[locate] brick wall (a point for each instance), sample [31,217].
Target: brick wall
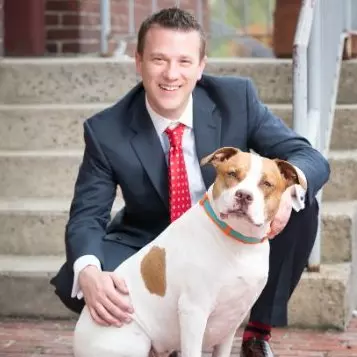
[73,26]
[1,27]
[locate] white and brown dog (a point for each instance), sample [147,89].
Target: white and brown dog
[195,283]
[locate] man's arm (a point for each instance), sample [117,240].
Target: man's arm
[269,136]
[94,194]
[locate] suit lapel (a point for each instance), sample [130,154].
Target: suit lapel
[207,130]
[148,148]
[145,142]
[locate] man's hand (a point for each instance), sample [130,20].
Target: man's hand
[103,293]
[283,215]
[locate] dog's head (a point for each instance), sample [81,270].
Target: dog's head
[248,187]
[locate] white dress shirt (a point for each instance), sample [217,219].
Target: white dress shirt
[195,180]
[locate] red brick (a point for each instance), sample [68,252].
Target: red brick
[90,6]
[52,48]
[76,47]
[79,20]
[54,338]
[53,19]
[62,34]
[62,5]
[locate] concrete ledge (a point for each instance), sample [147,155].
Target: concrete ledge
[60,127]
[36,227]
[26,290]
[342,184]
[49,174]
[323,299]
[338,231]
[88,80]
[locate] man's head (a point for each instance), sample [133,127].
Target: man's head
[248,187]
[170,58]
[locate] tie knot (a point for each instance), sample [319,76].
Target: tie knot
[175,135]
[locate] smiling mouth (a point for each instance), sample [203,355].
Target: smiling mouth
[169,88]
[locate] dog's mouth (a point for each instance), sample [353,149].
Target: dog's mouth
[239,213]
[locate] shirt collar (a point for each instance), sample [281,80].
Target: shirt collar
[161,123]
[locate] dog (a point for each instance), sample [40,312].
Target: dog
[193,285]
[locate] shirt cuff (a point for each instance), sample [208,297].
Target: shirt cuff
[78,266]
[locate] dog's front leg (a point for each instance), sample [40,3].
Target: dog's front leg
[224,349]
[193,320]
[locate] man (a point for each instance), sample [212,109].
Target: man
[127,145]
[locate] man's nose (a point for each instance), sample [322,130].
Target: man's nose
[172,71]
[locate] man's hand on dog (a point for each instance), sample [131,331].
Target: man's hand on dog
[283,215]
[105,295]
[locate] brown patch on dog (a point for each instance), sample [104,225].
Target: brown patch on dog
[231,166]
[290,174]
[153,271]
[273,184]
[277,176]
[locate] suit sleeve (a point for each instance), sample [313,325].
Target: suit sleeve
[94,194]
[269,136]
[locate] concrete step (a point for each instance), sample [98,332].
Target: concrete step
[326,299]
[342,184]
[344,132]
[26,289]
[44,126]
[36,227]
[86,80]
[52,173]
[38,174]
[321,299]
[60,126]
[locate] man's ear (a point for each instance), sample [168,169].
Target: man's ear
[138,62]
[219,156]
[290,174]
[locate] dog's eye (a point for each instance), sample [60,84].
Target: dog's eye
[232,174]
[267,184]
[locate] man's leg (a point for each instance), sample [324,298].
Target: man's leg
[114,254]
[289,254]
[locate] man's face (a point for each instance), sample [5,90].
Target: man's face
[170,67]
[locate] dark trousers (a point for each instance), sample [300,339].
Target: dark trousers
[289,254]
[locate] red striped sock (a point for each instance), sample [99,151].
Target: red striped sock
[257,330]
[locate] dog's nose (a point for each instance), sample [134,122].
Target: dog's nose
[244,196]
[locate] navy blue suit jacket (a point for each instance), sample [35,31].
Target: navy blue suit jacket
[122,148]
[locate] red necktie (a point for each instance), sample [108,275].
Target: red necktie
[179,193]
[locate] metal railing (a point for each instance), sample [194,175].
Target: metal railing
[322,29]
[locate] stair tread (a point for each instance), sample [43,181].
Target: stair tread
[49,263]
[30,264]
[54,106]
[59,205]
[338,207]
[42,204]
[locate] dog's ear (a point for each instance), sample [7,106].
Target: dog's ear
[290,173]
[219,155]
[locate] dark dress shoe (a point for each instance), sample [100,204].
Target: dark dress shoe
[256,348]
